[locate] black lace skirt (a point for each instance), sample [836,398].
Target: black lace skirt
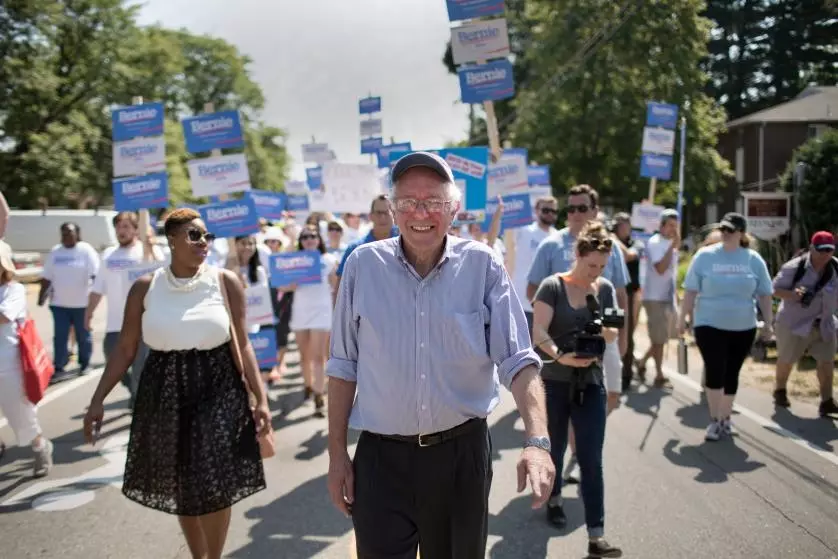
[193,447]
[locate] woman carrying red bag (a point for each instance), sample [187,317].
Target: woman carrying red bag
[17,408]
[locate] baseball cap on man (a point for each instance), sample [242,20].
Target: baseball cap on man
[735,221]
[823,240]
[422,159]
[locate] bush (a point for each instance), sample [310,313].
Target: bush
[817,192]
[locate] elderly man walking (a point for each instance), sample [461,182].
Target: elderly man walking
[426,326]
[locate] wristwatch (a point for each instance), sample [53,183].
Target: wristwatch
[539,442]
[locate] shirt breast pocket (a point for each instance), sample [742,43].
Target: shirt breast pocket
[464,334]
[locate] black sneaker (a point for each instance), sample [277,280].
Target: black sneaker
[556,516]
[781,398]
[828,407]
[601,548]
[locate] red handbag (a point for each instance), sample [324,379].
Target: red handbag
[35,362]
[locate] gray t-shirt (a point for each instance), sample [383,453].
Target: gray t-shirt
[566,323]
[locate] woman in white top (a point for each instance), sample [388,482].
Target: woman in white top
[16,407]
[311,317]
[193,450]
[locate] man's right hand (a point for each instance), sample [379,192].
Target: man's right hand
[88,317]
[341,482]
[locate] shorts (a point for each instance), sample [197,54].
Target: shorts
[658,320]
[612,367]
[791,347]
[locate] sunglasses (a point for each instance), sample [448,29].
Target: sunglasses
[335,231]
[549,211]
[581,208]
[824,250]
[307,237]
[726,229]
[196,236]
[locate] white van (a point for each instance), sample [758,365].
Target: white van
[39,230]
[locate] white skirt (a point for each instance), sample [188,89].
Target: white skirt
[312,318]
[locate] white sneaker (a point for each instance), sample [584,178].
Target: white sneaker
[728,429]
[571,472]
[43,459]
[714,431]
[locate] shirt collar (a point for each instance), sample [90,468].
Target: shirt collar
[446,252]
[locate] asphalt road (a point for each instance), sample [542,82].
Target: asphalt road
[772,492]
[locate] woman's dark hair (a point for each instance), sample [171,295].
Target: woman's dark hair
[594,237]
[321,246]
[252,264]
[177,218]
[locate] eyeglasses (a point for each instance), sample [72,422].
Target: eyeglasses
[432,206]
[581,208]
[549,211]
[307,237]
[196,236]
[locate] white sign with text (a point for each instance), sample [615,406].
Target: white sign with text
[347,188]
[216,176]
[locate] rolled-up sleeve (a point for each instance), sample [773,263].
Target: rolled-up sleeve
[343,345]
[783,278]
[540,268]
[509,338]
[619,275]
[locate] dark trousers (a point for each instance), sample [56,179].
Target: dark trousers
[63,318]
[628,358]
[723,352]
[589,427]
[434,498]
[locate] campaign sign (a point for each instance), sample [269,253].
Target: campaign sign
[317,153]
[371,145]
[259,310]
[145,191]
[385,151]
[538,175]
[139,156]
[486,82]
[137,121]
[314,178]
[269,205]
[297,203]
[518,152]
[232,218]
[470,9]
[296,188]
[508,175]
[656,166]
[213,131]
[646,216]
[301,268]
[371,127]
[369,105]
[517,212]
[215,176]
[658,140]
[479,40]
[661,115]
[264,346]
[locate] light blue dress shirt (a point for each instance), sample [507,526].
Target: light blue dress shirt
[429,353]
[557,253]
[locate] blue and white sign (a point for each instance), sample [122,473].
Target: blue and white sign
[297,203]
[259,309]
[216,176]
[231,219]
[658,140]
[518,152]
[539,175]
[371,145]
[385,151]
[661,115]
[264,346]
[486,82]
[508,175]
[517,212]
[213,131]
[314,178]
[296,188]
[301,268]
[371,127]
[470,9]
[479,40]
[317,153]
[369,105]
[269,205]
[137,193]
[137,121]
[653,166]
[139,156]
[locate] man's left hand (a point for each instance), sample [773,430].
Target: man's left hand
[535,463]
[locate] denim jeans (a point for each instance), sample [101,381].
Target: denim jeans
[588,421]
[63,318]
[131,379]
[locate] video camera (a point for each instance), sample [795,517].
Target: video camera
[589,342]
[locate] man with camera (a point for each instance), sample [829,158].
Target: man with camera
[806,322]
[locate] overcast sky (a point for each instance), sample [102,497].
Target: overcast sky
[315,58]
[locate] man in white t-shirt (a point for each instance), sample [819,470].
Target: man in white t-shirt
[659,289]
[68,271]
[119,266]
[525,241]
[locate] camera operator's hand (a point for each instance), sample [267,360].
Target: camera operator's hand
[571,360]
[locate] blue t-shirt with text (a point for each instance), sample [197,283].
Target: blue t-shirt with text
[557,253]
[727,283]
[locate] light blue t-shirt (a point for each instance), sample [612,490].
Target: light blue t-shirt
[728,283]
[557,253]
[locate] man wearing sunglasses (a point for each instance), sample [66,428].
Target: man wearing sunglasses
[806,322]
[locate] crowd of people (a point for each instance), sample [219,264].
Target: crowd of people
[415,324]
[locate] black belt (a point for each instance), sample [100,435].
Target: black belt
[432,439]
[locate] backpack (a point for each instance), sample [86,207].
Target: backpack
[825,277]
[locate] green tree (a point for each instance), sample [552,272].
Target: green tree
[818,161]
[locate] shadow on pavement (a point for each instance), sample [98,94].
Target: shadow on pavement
[313,447]
[525,532]
[283,529]
[714,461]
[820,431]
